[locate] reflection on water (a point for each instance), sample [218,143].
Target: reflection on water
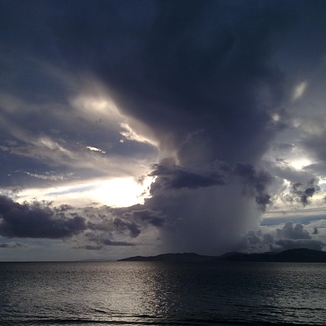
[139,293]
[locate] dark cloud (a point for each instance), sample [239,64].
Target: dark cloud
[108,242]
[171,176]
[195,209]
[286,244]
[36,220]
[192,63]
[41,220]
[141,215]
[174,177]
[255,183]
[292,231]
[90,247]
[303,193]
[102,243]
[206,64]
[290,236]
[10,245]
[123,225]
[193,223]
[206,80]
[131,220]
[102,240]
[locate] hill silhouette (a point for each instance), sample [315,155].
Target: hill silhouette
[292,255]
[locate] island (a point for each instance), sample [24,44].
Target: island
[302,255]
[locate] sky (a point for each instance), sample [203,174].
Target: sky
[140,127]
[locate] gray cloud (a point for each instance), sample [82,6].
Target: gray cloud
[102,240]
[181,206]
[284,171]
[9,245]
[108,242]
[314,134]
[131,220]
[290,236]
[102,243]
[209,81]
[182,70]
[36,220]
[302,193]
[286,244]
[41,220]
[140,214]
[122,225]
[292,231]
[171,176]
[317,168]
[255,182]
[180,59]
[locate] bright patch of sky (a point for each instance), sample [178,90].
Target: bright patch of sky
[115,192]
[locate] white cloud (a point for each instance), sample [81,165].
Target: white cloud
[95,107]
[299,90]
[131,134]
[95,149]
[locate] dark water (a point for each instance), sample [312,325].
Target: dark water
[150,293]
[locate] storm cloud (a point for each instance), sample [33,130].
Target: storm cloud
[170,176]
[217,102]
[36,221]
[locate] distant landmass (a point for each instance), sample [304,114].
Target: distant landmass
[293,255]
[186,257]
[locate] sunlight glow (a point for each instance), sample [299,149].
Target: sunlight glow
[299,91]
[121,192]
[102,109]
[275,117]
[131,134]
[300,163]
[117,192]
[96,107]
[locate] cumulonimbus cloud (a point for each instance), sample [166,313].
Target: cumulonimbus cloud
[208,81]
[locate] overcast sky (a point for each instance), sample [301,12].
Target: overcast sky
[144,127]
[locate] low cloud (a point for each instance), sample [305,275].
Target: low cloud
[290,236]
[104,226]
[293,231]
[124,220]
[140,214]
[10,245]
[36,220]
[102,243]
[286,244]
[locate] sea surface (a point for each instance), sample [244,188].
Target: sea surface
[157,293]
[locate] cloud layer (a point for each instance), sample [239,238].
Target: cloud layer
[218,102]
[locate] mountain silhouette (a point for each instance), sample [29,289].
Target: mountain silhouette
[292,255]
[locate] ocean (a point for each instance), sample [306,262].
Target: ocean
[158,293]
